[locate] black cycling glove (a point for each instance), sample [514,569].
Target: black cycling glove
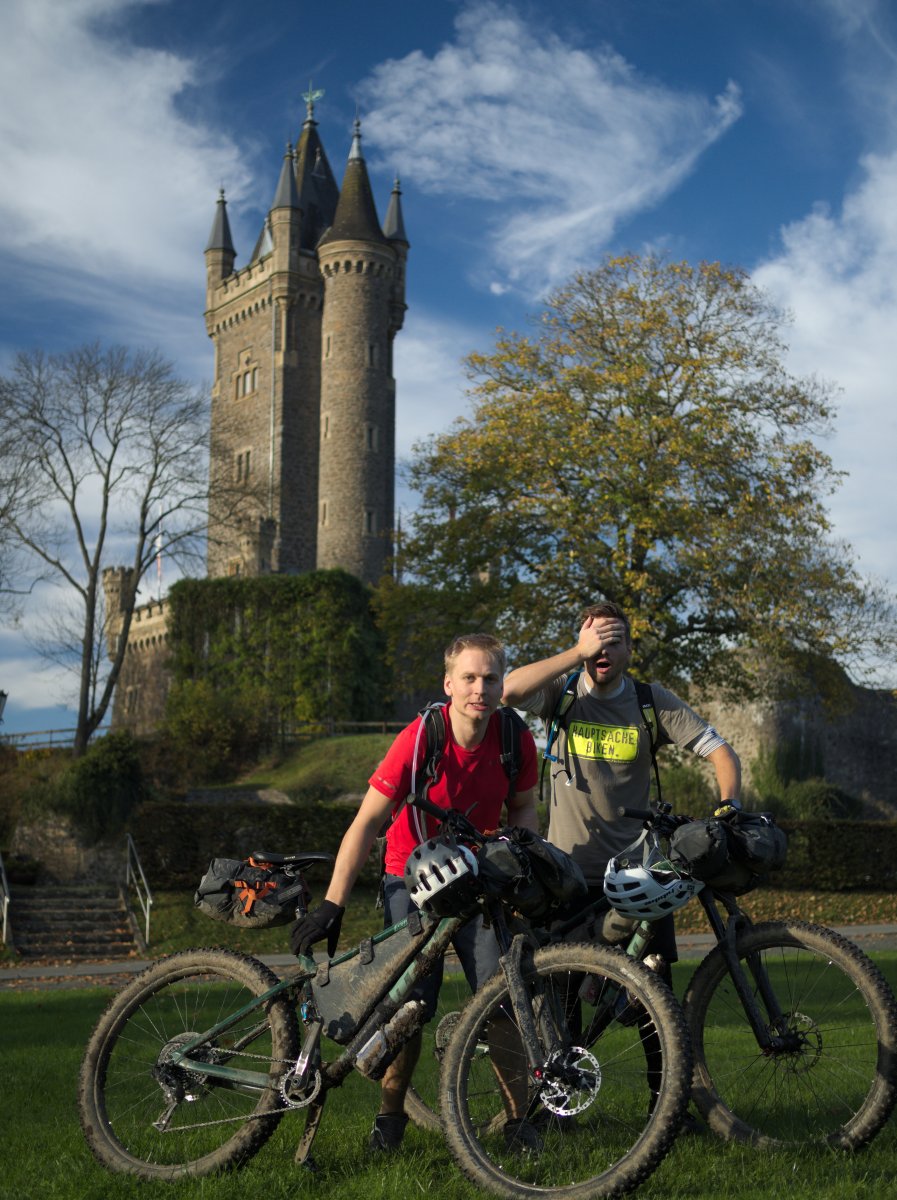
[322,922]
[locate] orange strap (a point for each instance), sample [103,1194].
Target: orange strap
[249,893]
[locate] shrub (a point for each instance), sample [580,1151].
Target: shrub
[99,790]
[817,800]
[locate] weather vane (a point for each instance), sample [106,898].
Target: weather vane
[310,97]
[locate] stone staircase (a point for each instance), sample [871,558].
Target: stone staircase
[70,923]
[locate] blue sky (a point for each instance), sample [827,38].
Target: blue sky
[530,138]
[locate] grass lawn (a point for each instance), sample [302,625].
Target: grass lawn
[42,1035]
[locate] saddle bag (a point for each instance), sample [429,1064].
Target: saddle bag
[250,893]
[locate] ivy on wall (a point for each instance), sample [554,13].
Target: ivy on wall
[254,657]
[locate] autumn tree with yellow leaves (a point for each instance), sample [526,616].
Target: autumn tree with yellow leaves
[645,444]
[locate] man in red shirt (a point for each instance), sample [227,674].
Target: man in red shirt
[470,778]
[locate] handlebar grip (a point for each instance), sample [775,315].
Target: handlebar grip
[637,814]
[429,807]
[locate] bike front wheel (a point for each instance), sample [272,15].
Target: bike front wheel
[143,1114]
[831,1075]
[599,1107]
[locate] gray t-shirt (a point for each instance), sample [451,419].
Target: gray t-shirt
[604,762]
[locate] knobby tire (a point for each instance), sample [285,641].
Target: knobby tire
[125,1071]
[837,1083]
[620,1108]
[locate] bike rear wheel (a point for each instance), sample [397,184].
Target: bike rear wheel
[606,1099]
[834,1080]
[144,1115]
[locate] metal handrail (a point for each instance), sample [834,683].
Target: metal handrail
[134,875]
[5,898]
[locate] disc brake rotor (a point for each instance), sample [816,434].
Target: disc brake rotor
[571,1079]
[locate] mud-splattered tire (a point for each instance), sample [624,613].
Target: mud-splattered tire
[837,1083]
[127,1085]
[597,1121]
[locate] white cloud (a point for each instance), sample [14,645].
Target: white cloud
[837,274]
[569,141]
[431,388]
[103,180]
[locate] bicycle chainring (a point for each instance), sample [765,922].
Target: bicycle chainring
[297,1093]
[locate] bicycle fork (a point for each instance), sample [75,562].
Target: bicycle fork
[762,1027]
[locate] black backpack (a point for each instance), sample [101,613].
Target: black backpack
[647,708]
[433,717]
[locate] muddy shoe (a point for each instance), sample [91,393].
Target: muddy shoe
[387,1133]
[522,1137]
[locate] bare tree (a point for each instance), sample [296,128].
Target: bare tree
[103,459]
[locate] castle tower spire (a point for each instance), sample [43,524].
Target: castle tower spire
[355,218]
[220,253]
[287,194]
[394,225]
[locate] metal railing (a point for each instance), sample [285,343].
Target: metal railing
[41,739]
[4,900]
[135,877]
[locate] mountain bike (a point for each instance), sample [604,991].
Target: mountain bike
[569,1072]
[793,1027]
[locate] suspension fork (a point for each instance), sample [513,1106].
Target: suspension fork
[727,937]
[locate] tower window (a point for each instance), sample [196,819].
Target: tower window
[328,345]
[325,425]
[373,356]
[370,521]
[242,463]
[323,512]
[371,437]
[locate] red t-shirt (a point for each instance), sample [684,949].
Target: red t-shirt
[472,781]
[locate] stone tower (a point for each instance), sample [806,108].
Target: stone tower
[302,441]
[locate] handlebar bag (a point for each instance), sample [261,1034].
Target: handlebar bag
[703,850]
[730,855]
[531,873]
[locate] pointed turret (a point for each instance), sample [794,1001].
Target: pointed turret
[355,219]
[318,193]
[220,253]
[287,194]
[394,225]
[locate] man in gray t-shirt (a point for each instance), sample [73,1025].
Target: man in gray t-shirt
[604,748]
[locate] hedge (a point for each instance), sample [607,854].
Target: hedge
[840,856]
[176,840]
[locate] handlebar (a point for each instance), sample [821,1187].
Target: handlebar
[663,821]
[450,819]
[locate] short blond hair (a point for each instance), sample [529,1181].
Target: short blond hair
[476,641]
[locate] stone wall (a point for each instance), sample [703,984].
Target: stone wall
[853,741]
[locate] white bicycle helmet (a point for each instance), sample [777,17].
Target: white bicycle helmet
[441,877]
[647,889]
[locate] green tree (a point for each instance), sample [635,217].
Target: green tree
[645,444]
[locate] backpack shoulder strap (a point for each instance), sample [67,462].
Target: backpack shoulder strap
[433,718]
[512,725]
[566,698]
[645,698]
